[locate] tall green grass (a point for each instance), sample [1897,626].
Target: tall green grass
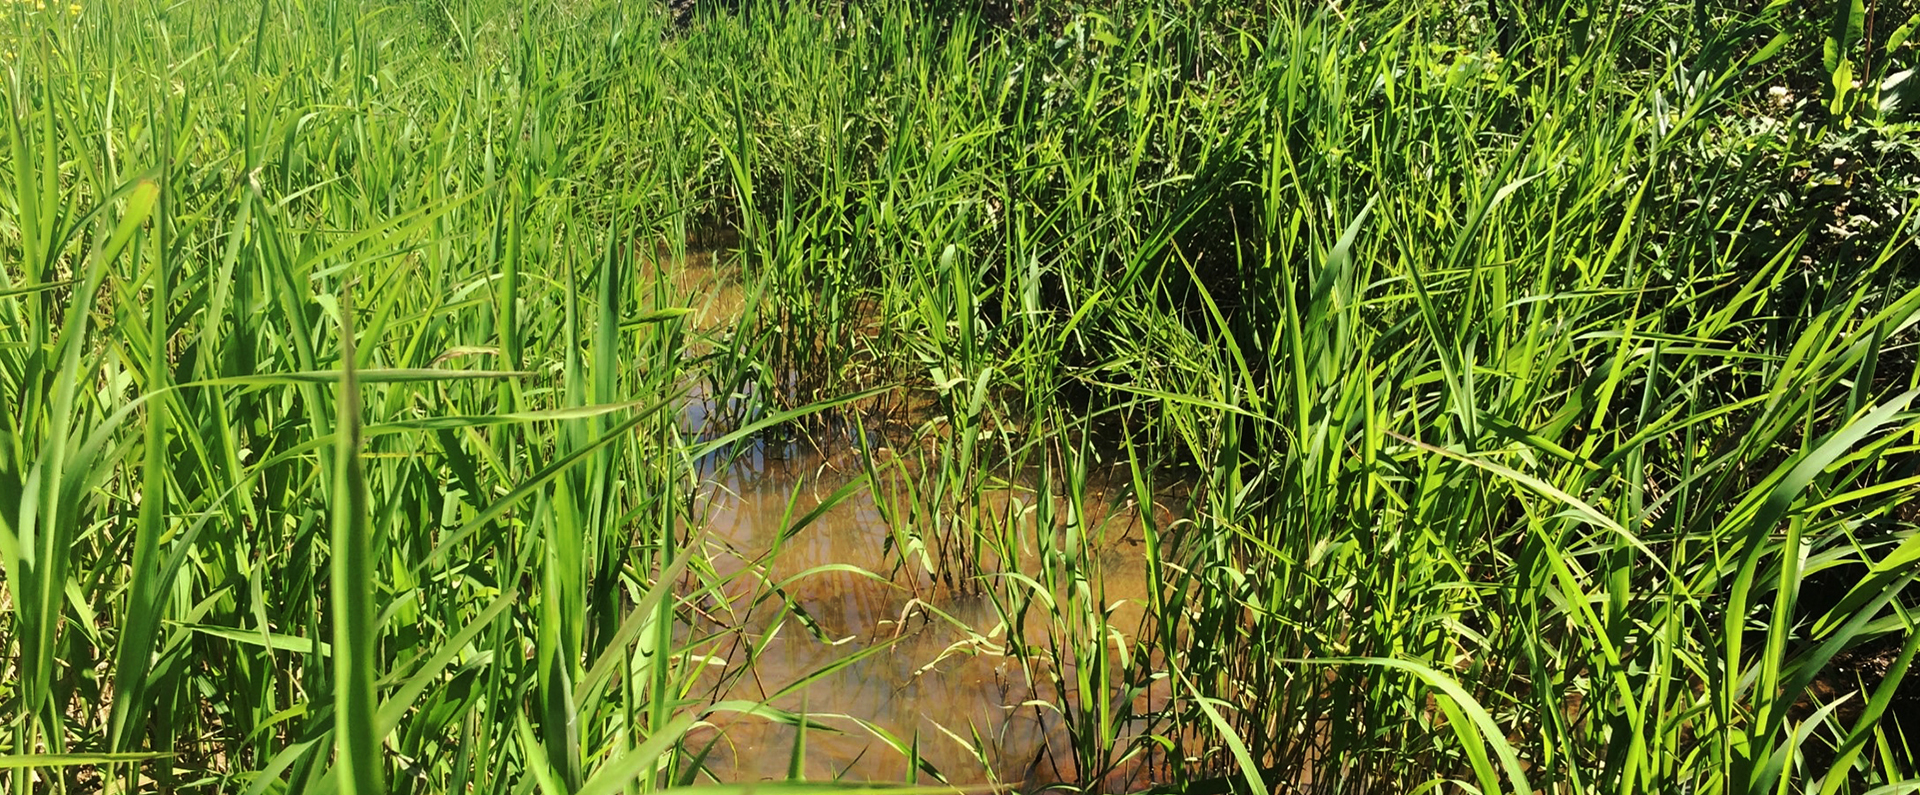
[1507,432]
[340,453]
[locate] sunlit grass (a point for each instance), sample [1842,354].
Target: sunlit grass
[1510,424]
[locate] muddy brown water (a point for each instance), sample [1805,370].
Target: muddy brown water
[931,659]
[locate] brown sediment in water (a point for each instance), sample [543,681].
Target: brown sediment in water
[933,662]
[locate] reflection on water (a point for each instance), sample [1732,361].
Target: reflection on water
[928,667]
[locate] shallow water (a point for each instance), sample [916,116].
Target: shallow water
[934,667]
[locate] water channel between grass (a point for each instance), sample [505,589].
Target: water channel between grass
[874,651]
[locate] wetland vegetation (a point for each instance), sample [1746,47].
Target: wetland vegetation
[586,396]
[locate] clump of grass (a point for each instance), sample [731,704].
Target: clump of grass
[260,537]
